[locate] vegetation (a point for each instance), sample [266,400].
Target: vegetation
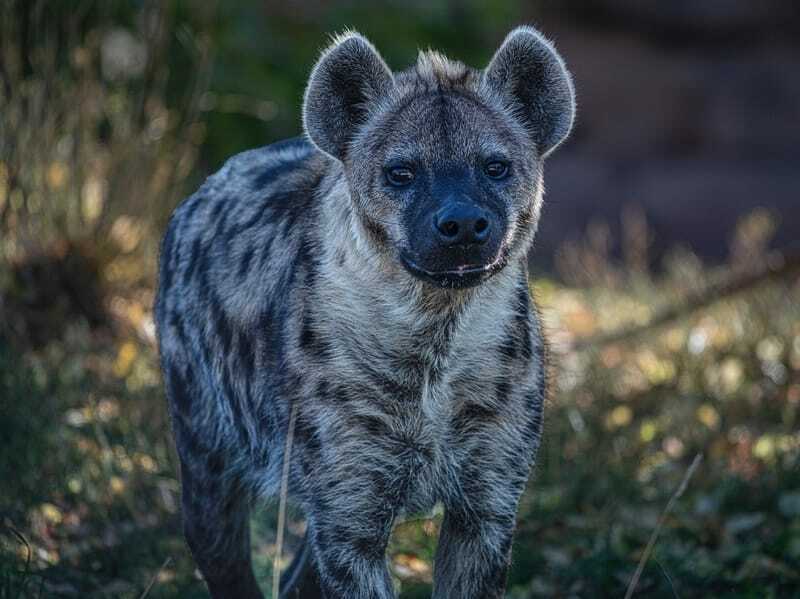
[94,154]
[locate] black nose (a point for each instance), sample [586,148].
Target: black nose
[460,223]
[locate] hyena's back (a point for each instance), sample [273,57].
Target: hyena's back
[228,269]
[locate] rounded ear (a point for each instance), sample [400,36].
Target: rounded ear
[348,79]
[529,73]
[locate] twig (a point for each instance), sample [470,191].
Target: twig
[154,578]
[654,537]
[27,574]
[24,541]
[776,265]
[287,455]
[668,577]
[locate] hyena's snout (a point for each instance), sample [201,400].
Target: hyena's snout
[461,223]
[458,243]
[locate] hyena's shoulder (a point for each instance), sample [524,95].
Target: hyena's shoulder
[232,243]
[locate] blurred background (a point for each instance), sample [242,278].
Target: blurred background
[666,267]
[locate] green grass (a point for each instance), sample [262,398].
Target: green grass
[89,481]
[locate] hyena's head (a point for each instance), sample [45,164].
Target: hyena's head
[444,162]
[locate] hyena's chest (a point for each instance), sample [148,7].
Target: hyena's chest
[407,390]
[425,436]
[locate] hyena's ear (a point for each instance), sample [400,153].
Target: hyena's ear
[348,79]
[528,72]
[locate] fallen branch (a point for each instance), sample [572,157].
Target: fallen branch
[777,265]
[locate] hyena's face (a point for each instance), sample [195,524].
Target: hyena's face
[443,161]
[449,184]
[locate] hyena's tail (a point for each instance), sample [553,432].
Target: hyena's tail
[301,579]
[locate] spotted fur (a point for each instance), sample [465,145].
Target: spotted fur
[281,289]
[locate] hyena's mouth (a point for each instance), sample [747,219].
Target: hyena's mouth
[467,275]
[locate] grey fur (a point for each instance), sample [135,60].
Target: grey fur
[298,277]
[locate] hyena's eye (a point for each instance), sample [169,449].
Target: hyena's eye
[496,169]
[399,176]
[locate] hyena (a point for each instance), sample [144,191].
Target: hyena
[367,283]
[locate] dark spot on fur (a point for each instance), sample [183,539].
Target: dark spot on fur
[338,571]
[215,212]
[508,348]
[320,538]
[203,288]
[189,444]
[221,325]
[521,470]
[308,256]
[462,78]
[270,337]
[201,344]
[246,354]
[373,425]
[502,391]
[375,230]
[219,230]
[234,402]
[167,250]
[368,547]
[215,463]
[307,335]
[341,533]
[244,262]
[341,393]
[527,344]
[472,414]
[231,505]
[460,520]
[179,389]
[290,218]
[196,255]
[176,322]
[322,389]
[307,463]
[258,217]
[274,171]
[212,485]
[383,488]
[518,339]
[192,205]
[384,383]
[306,431]
[266,249]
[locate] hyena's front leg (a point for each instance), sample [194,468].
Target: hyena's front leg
[472,557]
[350,519]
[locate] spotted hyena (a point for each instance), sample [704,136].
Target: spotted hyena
[367,282]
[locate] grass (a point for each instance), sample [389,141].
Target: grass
[90,497]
